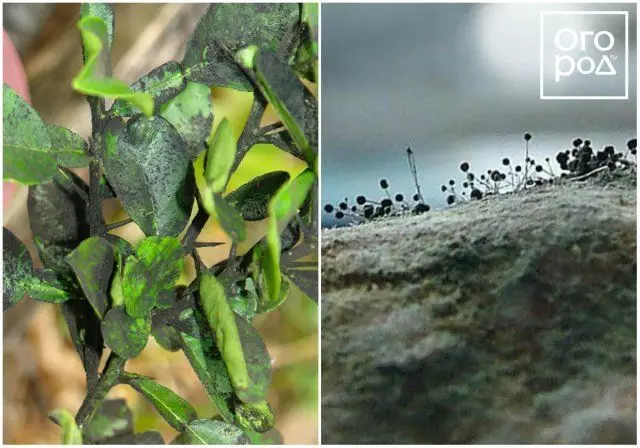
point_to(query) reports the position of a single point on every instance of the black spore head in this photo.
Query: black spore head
(343, 206)
(384, 184)
(633, 143)
(361, 200)
(451, 199)
(505, 161)
(464, 166)
(476, 194)
(399, 197)
(527, 136)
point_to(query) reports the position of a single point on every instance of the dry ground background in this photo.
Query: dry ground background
(41, 368)
(506, 320)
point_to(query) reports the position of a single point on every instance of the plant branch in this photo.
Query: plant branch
(109, 378)
(96, 222)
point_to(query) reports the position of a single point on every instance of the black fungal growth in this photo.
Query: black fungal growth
(575, 164)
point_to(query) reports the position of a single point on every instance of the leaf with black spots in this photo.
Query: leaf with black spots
(173, 408)
(17, 269)
(86, 335)
(167, 337)
(26, 143)
(58, 212)
(295, 105)
(148, 166)
(213, 432)
(245, 301)
(226, 28)
(229, 219)
(258, 363)
(92, 262)
(136, 284)
(113, 419)
(222, 321)
(198, 344)
(162, 83)
(255, 416)
(252, 198)
(191, 114)
(69, 149)
(124, 334)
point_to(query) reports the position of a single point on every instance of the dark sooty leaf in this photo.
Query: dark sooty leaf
(17, 269)
(124, 334)
(149, 168)
(252, 198)
(113, 419)
(92, 262)
(234, 26)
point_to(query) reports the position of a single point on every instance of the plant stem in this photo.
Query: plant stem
(109, 378)
(96, 222)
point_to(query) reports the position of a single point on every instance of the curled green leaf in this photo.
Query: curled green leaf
(71, 434)
(90, 81)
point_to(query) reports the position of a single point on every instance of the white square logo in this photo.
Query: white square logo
(584, 55)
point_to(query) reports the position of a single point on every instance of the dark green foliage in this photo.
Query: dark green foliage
(229, 218)
(92, 262)
(252, 198)
(149, 168)
(68, 147)
(125, 335)
(226, 28)
(114, 295)
(163, 83)
(26, 143)
(175, 410)
(113, 419)
(191, 114)
(17, 269)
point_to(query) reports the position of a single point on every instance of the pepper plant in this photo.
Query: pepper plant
(156, 151)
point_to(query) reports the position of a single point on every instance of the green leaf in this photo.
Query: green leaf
(149, 169)
(136, 285)
(245, 303)
(173, 408)
(223, 323)
(252, 198)
(258, 363)
(166, 336)
(124, 334)
(282, 207)
(103, 11)
(163, 83)
(213, 432)
(68, 147)
(113, 419)
(150, 275)
(226, 28)
(191, 114)
(270, 303)
(92, 262)
(294, 104)
(198, 345)
(26, 142)
(86, 335)
(17, 269)
(91, 80)
(57, 212)
(71, 434)
(220, 157)
(255, 416)
(44, 286)
(229, 219)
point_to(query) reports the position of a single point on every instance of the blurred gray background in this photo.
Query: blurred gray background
(456, 82)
